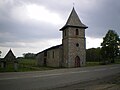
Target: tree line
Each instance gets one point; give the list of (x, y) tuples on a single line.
[(109, 50), (29, 55), (0, 53)]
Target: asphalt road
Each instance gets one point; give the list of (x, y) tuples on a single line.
[(41, 80)]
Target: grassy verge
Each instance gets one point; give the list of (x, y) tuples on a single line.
[(25, 69), (31, 65), (25, 65), (92, 64), (117, 61)]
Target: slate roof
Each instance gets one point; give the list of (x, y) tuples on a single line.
[(10, 56), (74, 21), (54, 47)]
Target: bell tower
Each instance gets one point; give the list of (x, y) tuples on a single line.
[(74, 41)]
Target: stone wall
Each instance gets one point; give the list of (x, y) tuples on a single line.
[(74, 45), (40, 59), (54, 57), (50, 57)]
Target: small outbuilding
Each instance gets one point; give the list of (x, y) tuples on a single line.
[(9, 60)]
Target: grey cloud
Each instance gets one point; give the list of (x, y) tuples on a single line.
[(103, 16), (27, 31)]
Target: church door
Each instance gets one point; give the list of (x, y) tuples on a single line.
[(77, 61)]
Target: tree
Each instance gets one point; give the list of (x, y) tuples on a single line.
[(93, 54), (0, 53), (110, 46), (29, 55)]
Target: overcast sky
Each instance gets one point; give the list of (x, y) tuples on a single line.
[(33, 25)]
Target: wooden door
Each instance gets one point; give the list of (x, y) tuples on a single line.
[(77, 61)]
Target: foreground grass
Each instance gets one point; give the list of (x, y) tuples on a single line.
[(31, 65), (25, 69), (92, 64), (117, 61), (25, 65)]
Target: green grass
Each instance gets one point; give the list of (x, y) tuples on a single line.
[(7, 70), (31, 65), (117, 61), (25, 69), (25, 65), (28, 62), (92, 64)]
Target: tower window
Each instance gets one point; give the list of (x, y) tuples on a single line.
[(77, 32), (77, 45)]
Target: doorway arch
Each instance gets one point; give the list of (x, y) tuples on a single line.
[(77, 61)]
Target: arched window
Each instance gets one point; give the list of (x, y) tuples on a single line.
[(77, 32)]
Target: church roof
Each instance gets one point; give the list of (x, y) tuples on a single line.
[(74, 21), (53, 47), (10, 56)]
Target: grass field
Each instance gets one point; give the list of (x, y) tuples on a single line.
[(25, 65), (92, 64), (31, 65), (117, 61)]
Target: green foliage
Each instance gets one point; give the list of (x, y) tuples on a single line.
[(117, 60), (25, 65), (0, 53), (28, 62), (110, 46), (29, 55), (9, 68), (92, 63), (93, 54)]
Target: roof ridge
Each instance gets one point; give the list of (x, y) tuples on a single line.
[(74, 21), (10, 55)]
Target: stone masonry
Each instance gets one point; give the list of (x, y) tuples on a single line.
[(72, 51)]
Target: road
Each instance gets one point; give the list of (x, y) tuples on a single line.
[(41, 80)]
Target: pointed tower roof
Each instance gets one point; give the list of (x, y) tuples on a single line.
[(74, 21), (10, 56)]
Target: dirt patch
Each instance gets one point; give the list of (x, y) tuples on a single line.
[(106, 83)]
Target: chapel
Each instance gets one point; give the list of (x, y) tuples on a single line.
[(72, 51)]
